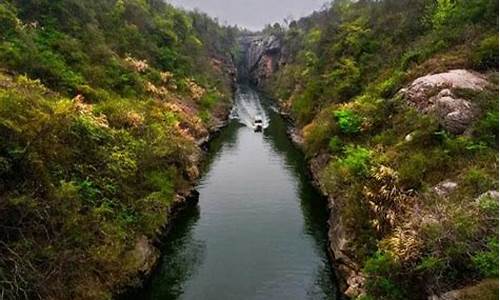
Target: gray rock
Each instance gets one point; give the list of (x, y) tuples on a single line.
[(455, 114), (445, 188), (433, 94), (409, 137), (296, 136), (260, 45), (490, 194), (356, 286), (453, 295), (422, 89), (146, 255)]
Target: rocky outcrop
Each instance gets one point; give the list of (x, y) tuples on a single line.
[(261, 57), (146, 255), (349, 276), (296, 136), (435, 94), (351, 279)]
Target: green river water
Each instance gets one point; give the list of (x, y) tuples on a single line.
[(259, 230)]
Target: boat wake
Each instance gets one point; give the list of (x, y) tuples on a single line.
[(247, 108)]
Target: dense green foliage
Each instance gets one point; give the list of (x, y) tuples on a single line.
[(344, 67), (101, 104)]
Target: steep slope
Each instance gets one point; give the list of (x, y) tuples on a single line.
[(103, 106), (408, 161)]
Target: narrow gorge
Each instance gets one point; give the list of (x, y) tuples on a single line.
[(152, 151), (259, 229)]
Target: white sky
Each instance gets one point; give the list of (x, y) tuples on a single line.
[(252, 14)]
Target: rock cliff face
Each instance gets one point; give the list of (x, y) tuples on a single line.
[(260, 57), (350, 279)]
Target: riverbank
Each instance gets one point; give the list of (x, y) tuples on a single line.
[(148, 249), (353, 276), (254, 183), (346, 271), (129, 170), (103, 108), (400, 128)]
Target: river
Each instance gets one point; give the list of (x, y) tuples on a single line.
[(259, 230)]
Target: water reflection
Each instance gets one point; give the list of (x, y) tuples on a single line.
[(185, 253)]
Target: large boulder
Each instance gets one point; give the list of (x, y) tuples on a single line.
[(434, 94)]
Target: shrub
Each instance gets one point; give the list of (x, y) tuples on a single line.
[(161, 181), (487, 128), (477, 181), (335, 145), (303, 104), (463, 146), (429, 265), (413, 169), (209, 100), (348, 121), (317, 133), (388, 202), (122, 164), (389, 87), (380, 270), (343, 81), (356, 160), (410, 58), (487, 261), (486, 54), (88, 191), (56, 73), (442, 13), (489, 205), (8, 22)]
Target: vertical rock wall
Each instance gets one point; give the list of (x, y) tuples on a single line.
[(260, 57)]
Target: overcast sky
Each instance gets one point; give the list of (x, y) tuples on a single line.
[(252, 14)]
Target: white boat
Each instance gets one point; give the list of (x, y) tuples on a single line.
[(258, 124)]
